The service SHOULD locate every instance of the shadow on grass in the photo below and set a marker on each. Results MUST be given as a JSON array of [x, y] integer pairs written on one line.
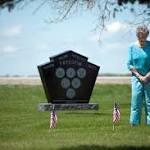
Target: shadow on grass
[[97, 147]]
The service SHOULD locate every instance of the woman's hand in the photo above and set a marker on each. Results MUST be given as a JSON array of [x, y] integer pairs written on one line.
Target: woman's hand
[[143, 79]]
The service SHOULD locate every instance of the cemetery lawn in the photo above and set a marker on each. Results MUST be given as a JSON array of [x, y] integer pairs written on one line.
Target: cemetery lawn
[[23, 127]]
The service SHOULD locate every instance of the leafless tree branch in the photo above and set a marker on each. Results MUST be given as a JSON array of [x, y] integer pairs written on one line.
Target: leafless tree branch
[[106, 9]]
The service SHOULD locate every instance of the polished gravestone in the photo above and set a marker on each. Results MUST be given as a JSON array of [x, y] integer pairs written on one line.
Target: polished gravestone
[[68, 80]]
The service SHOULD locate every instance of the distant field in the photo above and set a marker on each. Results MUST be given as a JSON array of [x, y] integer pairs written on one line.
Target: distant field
[[37, 80], [22, 127]]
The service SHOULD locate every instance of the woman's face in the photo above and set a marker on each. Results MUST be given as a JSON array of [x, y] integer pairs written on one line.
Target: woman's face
[[142, 38]]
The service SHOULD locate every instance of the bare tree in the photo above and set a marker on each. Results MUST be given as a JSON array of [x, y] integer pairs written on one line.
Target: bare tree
[[105, 9]]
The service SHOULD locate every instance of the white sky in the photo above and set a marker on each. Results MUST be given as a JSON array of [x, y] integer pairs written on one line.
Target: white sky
[[26, 41]]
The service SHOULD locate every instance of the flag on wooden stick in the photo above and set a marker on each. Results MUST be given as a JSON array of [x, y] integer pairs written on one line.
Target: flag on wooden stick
[[116, 115], [53, 119]]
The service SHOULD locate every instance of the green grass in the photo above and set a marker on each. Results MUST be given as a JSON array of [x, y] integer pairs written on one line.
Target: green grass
[[22, 127]]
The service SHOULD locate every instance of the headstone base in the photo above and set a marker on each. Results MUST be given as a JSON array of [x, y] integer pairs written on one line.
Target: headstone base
[[62, 107]]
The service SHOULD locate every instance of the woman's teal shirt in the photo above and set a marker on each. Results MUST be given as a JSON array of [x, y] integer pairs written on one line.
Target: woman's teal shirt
[[139, 58]]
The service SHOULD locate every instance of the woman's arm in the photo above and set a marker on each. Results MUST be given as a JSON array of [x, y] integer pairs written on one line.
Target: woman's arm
[[143, 79], [135, 72], [131, 67], [148, 76], [129, 59], [130, 63]]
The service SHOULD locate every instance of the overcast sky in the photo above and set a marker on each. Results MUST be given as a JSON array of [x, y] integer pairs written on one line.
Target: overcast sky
[[26, 41]]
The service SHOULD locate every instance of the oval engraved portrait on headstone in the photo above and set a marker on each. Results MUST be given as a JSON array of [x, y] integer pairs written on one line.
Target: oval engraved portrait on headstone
[[70, 72], [71, 93], [60, 72], [76, 83], [81, 72], [65, 83]]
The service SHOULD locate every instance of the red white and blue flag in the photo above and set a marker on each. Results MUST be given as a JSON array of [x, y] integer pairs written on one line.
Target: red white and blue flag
[[116, 114], [53, 119]]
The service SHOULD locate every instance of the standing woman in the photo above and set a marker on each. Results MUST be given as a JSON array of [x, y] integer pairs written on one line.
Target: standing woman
[[139, 65]]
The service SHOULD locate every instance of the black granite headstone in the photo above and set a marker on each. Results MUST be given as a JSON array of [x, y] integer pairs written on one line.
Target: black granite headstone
[[68, 78]]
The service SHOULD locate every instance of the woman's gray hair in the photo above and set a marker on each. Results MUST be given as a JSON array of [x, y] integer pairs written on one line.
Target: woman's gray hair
[[142, 29]]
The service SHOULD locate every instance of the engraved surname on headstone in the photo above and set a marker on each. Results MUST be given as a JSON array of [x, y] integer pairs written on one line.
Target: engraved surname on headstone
[[70, 62], [68, 78]]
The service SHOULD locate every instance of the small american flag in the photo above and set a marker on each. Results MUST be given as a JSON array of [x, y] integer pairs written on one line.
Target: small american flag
[[53, 119], [116, 114]]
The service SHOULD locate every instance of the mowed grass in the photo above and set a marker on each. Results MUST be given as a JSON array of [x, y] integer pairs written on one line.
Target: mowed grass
[[23, 127]]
